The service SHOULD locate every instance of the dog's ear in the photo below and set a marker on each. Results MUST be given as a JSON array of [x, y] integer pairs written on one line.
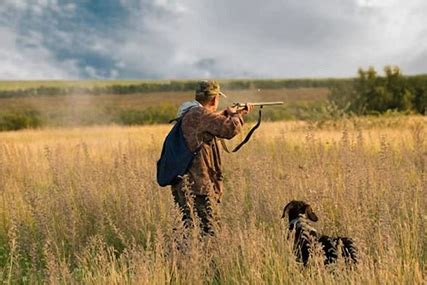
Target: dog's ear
[[310, 214], [287, 208]]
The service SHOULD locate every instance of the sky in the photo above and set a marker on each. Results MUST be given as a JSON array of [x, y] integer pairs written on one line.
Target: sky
[[181, 39]]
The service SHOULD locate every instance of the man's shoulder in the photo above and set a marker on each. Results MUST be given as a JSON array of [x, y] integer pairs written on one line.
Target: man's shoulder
[[193, 115], [197, 110]]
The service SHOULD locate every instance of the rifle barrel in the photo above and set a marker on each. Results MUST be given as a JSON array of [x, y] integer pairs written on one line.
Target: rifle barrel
[[241, 105], [266, 103]]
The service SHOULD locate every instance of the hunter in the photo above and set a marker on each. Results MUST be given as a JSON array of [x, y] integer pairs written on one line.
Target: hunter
[[202, 126]]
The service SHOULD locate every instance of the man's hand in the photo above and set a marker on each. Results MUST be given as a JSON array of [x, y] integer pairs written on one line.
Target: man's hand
[[230, 110], [236, 110], [248, 108]]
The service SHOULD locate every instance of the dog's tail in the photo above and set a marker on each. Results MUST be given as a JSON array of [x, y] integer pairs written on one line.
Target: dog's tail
[[348, 249]]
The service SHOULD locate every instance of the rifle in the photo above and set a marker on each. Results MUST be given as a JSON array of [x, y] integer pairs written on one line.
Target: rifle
[[261, 104], [242, 106]]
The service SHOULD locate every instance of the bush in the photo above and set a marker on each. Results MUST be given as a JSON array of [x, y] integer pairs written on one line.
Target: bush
[[151, 115], [370, 93], [20, 120], [419, 87]]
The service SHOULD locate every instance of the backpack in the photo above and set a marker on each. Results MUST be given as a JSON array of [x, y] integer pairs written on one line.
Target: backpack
[[175, 158]]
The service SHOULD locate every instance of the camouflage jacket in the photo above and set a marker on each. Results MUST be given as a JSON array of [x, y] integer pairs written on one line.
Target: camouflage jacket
[[201, 128]]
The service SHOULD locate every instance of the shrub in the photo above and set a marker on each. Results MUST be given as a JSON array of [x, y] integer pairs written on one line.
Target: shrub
[[151, 115], [18, 120], [370, 93]]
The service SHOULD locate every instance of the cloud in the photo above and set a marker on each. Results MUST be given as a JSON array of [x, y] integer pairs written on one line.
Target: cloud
[[23, 53], [277, 39], [31, 60], [221, 38], [48, 40]]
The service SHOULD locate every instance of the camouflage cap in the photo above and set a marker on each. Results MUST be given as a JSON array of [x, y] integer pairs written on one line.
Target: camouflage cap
[[208, 88]]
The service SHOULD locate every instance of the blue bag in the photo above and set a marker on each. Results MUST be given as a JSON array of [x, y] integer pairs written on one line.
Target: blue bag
[[176, 157]]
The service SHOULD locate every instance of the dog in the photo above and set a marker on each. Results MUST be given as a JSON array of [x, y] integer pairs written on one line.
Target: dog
[[306, 237]]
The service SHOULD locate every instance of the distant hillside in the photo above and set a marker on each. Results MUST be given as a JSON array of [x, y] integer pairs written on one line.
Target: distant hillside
[[54, 88], [35, 104], [19, 112]]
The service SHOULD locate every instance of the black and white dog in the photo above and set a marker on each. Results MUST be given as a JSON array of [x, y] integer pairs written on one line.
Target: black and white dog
[[306, 237]]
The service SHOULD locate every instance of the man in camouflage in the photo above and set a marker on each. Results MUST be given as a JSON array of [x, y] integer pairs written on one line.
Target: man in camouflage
[[202, 187]]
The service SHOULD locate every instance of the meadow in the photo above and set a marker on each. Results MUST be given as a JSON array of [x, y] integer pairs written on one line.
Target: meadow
[[81, 205], [73, 110]]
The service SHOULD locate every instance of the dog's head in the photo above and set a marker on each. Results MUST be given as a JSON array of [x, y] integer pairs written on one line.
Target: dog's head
[[296, 209]]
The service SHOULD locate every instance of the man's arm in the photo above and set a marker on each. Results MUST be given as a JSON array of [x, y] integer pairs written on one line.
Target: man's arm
[[225, 124]]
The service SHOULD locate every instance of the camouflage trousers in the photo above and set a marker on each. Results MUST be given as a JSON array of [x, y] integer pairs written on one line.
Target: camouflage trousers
[[197, 207]]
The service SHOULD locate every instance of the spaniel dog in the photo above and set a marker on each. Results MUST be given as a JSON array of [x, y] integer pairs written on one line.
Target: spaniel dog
[[306, 237]]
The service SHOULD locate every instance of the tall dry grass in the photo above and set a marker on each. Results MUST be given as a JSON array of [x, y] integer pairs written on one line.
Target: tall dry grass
[[82, 206]]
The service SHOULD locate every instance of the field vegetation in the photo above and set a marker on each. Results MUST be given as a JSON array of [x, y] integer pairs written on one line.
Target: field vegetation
[[81, 205], [38, 104], [96, 87], [371, 93], [144, 108]]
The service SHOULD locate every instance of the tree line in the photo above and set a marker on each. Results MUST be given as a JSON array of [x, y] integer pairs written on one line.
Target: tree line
[[371, 93], [171, 86]]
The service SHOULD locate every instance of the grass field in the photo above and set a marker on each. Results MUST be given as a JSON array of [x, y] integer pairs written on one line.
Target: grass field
[[81, 205], [83, 104], [146, 108]]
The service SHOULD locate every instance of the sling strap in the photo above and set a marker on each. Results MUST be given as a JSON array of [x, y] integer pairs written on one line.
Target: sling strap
[[248, 136]]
